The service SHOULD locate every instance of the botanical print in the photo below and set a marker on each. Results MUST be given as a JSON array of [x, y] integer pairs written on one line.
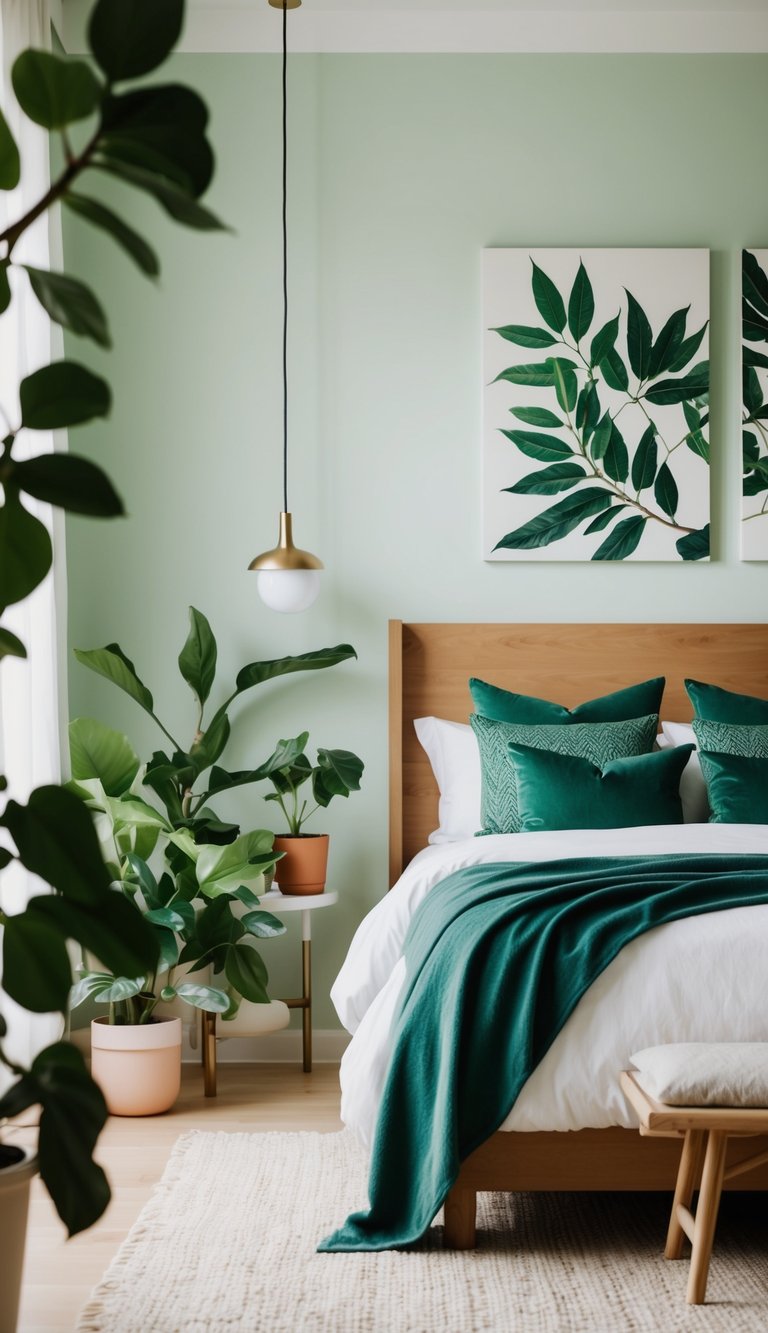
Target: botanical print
[[596, 368], [754, 307]]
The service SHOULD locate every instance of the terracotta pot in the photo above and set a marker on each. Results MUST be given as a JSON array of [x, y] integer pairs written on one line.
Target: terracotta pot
[[17, 1167], [137, 1065], [303, 868]]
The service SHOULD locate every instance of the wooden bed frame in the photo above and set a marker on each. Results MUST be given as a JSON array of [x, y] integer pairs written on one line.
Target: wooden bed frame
[[429, 666]]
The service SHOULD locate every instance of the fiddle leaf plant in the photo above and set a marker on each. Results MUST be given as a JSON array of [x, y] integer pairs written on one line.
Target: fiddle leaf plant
[[152, 138]]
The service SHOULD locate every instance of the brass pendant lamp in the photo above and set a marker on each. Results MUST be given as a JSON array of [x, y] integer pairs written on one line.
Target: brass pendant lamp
[[289, 579]]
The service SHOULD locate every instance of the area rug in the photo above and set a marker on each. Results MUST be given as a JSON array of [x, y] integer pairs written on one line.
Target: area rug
[[227, 1245]]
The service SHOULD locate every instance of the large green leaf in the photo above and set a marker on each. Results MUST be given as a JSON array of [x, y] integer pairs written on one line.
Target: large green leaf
[[546, 448], [211, 744], [132, 37], [751, 392], [112, 663], [645, 461], [10, 163], [245, 971], [55, 839], [754, 325], [71, 304], [639, 338], [62, 394], [693, 385], [211, 999], [623, 540], [754, 282], [698, 443], [258, 672], [37, 973], [340, 773], [601, 437], [536, 374], [263, 925], [588, 409], [221, 869], [750, 449], [558, 521], [751, 357], [119, 936], [549, 302], [604, 341], [537, 416], [525, 336], [616, 456], [694, 545], [602, 520], [53, 90], [665, 490], [549, 481], [71, 483], [668, 343], [162, 129], [176, 202], [581, 304], [614, 371], [197, 659], [25, 550], [566, 384], [129, 240], [73, 1113], [96, 751], [688, 349]]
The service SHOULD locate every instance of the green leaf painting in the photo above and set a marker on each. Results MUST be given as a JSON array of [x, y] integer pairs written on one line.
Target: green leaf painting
[[754, 411], [596, 376]]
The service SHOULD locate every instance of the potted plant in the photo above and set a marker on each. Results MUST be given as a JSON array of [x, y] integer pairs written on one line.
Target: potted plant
[[304, 860], [152, 138]]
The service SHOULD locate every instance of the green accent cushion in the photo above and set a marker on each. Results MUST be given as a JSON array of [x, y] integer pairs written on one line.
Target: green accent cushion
[[561, 791], [730, 738], [737, 787], [505, 706], [596, 741], [718, 705]]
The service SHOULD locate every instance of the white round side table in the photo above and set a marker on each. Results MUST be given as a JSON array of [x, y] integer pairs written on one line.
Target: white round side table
[[306, 903]]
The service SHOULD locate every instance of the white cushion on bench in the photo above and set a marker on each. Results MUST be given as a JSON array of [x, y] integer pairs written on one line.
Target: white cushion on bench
[[703, 1073]]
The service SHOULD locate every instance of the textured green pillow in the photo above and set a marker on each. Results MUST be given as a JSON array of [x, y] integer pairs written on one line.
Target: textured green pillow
[[737, 787], [730, 738], [596, 741], [623, 705], [561, 791], [718, 705]]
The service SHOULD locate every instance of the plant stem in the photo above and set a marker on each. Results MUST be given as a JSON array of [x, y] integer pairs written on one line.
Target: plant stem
[[59, 188]]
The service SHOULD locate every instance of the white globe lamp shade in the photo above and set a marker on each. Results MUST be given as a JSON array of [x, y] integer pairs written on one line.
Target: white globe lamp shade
[[288, 590]]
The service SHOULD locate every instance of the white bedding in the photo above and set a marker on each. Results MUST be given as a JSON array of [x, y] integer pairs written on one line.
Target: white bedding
[[701, 979]]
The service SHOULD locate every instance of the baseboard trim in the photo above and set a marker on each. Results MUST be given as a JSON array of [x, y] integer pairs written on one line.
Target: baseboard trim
[[328, 1046]]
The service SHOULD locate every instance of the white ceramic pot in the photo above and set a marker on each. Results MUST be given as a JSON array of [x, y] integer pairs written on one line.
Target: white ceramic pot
[[255, 1020], [137, 1065], [15, 1180]]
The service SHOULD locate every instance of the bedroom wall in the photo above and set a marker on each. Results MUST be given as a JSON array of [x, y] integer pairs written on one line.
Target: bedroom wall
[[402, 169]]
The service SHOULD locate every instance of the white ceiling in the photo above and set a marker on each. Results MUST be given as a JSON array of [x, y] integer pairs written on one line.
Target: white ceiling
[[460, 26]]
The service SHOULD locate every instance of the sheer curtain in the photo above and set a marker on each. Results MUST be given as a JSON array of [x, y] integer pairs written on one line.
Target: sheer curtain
[[31, 691]]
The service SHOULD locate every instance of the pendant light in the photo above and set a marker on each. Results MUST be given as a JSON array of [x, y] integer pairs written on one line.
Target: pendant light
[[289, 579]]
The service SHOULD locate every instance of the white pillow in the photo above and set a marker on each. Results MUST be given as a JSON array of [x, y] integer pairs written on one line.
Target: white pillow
[[704, 1073], [453, 752], [693, 788]]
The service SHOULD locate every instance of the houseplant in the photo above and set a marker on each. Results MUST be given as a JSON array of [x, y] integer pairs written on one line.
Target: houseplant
[[336, 773], [151, 138]]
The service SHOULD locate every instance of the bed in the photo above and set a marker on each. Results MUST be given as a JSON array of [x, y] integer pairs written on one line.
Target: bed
[[591, 1146]]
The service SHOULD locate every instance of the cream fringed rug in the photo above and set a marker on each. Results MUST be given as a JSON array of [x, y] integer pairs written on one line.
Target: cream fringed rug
[[227, 1245]]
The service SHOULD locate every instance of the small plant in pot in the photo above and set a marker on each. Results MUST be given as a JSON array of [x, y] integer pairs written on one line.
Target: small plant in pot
[[304, 862]]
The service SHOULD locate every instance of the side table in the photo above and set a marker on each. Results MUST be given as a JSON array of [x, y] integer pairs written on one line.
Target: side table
[[278, 903]]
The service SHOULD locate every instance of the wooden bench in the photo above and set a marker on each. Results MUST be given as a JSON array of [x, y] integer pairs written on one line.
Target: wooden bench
[[707, 1130]]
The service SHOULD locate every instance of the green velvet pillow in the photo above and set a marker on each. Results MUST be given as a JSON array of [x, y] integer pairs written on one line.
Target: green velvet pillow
[[718, 705], [623, 705], [561, 791], [596, 741], [737, 787]]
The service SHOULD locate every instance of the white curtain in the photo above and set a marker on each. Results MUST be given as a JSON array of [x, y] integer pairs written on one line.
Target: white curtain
[[31, 690]]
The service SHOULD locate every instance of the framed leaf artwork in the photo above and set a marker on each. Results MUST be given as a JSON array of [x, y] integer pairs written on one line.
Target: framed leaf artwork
[[596, 372], [754, 412]]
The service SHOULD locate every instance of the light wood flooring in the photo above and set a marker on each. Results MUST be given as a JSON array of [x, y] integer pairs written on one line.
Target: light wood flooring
[[60, 1274]]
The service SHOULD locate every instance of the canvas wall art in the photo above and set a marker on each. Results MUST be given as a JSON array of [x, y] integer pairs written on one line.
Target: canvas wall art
[[754, 415], [596, 372]]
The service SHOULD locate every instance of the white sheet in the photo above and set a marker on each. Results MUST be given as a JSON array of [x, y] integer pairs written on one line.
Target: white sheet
[[700, 979]]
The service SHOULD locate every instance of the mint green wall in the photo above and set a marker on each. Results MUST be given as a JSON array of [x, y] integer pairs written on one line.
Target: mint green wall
[[402, 169]]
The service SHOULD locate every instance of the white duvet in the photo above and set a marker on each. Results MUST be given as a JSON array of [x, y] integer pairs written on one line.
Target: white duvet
[[701, 979]]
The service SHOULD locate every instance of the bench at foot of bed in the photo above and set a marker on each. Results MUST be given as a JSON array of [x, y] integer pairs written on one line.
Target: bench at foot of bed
[[586, 1159]]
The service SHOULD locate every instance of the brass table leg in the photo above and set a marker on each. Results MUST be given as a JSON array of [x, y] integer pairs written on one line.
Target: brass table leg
[[209, 1052], [306, 995]]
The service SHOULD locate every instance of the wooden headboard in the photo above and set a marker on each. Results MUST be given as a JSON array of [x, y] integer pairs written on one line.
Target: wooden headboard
[[430, 664]]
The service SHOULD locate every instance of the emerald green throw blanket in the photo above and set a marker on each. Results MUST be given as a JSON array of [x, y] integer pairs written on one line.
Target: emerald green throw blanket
[[497, 958]]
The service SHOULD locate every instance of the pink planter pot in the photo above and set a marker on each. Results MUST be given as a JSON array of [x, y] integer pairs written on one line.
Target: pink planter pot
[[137, 1066], [15, 1180]]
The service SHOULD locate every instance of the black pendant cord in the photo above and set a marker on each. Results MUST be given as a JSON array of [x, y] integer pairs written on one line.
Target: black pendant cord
[[285, 257]]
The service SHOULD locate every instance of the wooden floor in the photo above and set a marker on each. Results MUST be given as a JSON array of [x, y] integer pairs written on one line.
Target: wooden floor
[[60, 1274]]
